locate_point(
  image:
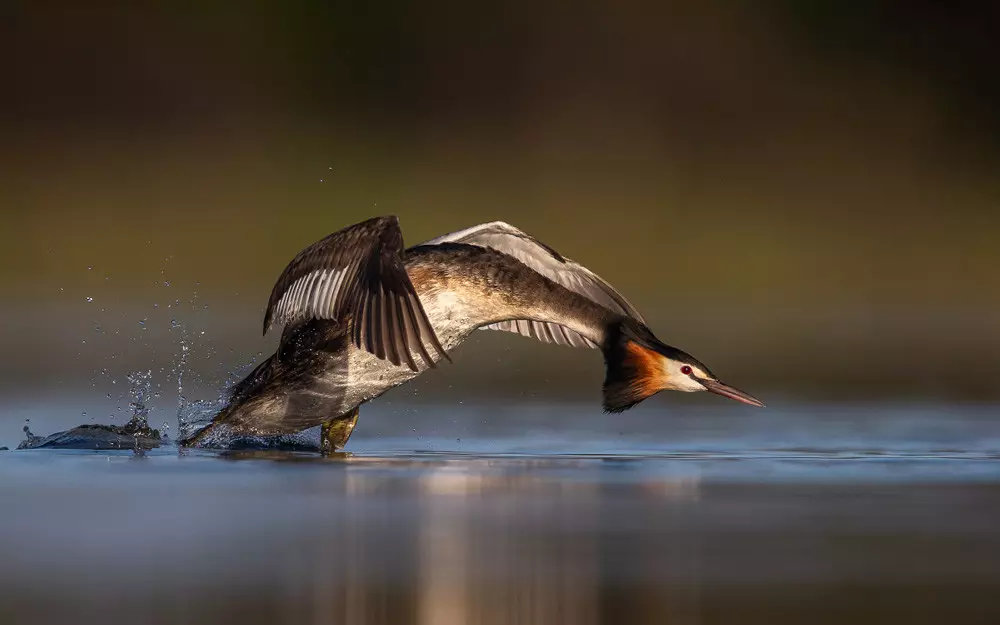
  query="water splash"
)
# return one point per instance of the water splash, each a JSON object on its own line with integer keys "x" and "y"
{"x": 196, "y": 415}
{"x": 223, "y": 438}
{"x": 30, "y": 440}
{"x": 192, "y": 416}
{"x": 135, "y": 398}
{"x": 141, "y": 391}
{"x": 136, "y": 434}
{"x": 181, "y": 361}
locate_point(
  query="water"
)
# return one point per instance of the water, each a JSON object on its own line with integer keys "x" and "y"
{"x": 677, "y": 512}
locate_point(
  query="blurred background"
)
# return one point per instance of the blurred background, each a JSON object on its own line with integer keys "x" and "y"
{"x": 802, "y": 194}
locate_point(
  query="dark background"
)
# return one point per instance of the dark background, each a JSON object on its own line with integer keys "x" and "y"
{"x": 802, "y": 194}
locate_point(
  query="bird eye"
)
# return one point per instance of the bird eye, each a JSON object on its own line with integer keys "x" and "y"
{"x": 686, "y": 370}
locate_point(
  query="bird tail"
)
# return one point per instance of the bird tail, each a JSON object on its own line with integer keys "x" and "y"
{"x": 634, "y": 366}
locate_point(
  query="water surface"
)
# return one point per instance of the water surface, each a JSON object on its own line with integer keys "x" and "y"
{"x": 527, "y": 514}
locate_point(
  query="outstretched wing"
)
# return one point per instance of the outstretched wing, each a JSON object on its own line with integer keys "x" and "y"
{"x": 505, "y": 238}
{"x": 543, "y": 331}
{"x": 357, "y": 273}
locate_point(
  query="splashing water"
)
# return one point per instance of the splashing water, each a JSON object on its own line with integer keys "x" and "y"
{"x": 194, "y": 415}
{"x": 221, "y": 437}
{"x": 181, "y": 363}
{"x": 29, "y": 438}
{"x": 141, "y": 391}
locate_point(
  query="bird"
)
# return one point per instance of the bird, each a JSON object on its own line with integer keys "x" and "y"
{"x": 360, "y": 314}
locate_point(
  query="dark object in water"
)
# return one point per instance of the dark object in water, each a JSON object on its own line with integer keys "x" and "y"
{"x": 136, "y": 434}
{"x": 4, "y": 449}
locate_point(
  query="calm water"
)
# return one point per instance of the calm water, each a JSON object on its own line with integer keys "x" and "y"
{"x": 536, "y": 514}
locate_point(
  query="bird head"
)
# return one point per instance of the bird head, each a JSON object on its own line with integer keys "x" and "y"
{"x": 639, "y": 366}
{"x": 680, "y": 371}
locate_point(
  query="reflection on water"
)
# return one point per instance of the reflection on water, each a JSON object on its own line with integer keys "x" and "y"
{"x": 269, "y": 537}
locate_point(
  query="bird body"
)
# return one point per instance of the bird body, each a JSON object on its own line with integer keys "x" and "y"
{"x": 362, "y": 315}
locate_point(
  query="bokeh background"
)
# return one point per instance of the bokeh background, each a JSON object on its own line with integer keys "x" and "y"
{"x": 803, "y": 194}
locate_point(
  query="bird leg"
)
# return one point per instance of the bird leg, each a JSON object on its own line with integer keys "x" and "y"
{"x": 335, "y": 432}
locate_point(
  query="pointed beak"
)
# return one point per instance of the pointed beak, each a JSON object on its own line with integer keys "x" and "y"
{"x": 728, "y": 391}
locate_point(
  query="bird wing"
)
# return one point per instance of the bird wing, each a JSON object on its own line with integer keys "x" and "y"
{"x": 357, "y": 273}
{"x": 505, "y": 238}
{"x": 544, "y": 331}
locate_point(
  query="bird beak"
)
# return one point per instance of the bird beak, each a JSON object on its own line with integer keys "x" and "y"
{"x": 732, "y": 393}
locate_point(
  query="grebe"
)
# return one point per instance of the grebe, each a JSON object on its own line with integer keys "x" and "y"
{"x": 362, "y": 315}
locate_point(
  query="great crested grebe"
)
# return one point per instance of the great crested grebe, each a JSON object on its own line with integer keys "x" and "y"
{"x": 362, "y": 315}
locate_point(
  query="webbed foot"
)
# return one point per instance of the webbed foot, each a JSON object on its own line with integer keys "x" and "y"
{"x": 335, "y": 432}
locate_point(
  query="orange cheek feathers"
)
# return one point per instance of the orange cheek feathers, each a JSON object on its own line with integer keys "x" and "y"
{"x": 648, "y": 368}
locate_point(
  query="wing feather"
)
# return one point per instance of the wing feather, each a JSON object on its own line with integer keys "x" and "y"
{"x": 407, "y": 336}
{"x": 391, "y": 330}
{"x": 356, "y": 276}
{"x": 505, "y": 238}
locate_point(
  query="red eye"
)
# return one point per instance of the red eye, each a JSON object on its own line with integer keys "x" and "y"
{"x": 686, "y": 370}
